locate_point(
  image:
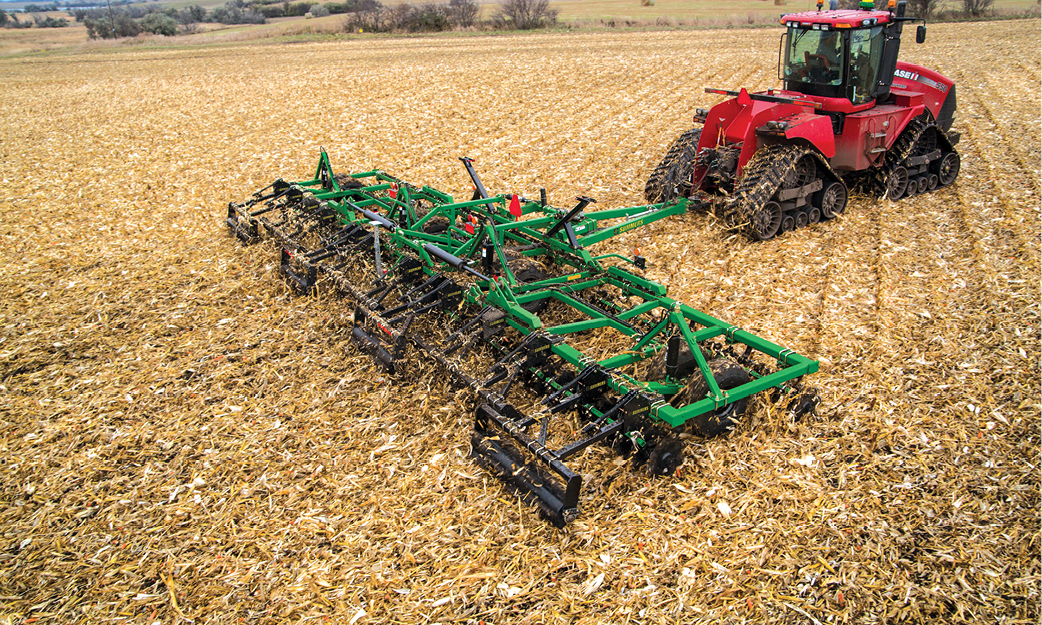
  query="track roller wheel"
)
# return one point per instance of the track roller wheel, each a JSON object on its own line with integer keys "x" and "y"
{"x": 947, "y": 169}
{"x": 897, "y": 184}
{"x": 912, "y": 189}
{"x": 924, "y": 185}
{"x": 788, "y": 224}
{"x": 831, "y": 200}
{"x": 813, "y": 216}
{"x": 932, "y": 182}
{"x": 802, "y": 173}
{"x": 802, "y": 219}
{"x": 728, "y": 374}
{"x": 765, "y": 222}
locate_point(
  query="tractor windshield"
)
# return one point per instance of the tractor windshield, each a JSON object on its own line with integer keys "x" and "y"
{"x": 814, "y": 57}
{"x": 814, "y": 60}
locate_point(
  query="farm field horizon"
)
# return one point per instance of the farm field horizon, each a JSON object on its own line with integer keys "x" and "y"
{"x": 185, "y": 439}
{"x": 594, "y": 15}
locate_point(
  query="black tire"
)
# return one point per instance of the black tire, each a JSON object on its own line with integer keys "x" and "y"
{"x": 831, "y": 200}
{"x": 436, "y": 225}
{"x": 672, "y": 177}
{"x": 897, "y": 184}
{"x": 947, "y": 168}
{"x": 765, "y": 222}
{"x": 686, "y": 364}
{"x": 345, "y": 181}
{"x": 527, "y": 270}
{"x": 728, "y": 375}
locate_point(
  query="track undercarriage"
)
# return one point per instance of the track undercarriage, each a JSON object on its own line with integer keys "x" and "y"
{"x": 562, "y": 349}
{"x": 785, "y": 187}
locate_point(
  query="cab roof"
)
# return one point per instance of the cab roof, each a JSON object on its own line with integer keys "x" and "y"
{"x": 837, "y": 19}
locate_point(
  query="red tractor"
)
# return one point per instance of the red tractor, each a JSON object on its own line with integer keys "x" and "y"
{"x": 849, "y": 113}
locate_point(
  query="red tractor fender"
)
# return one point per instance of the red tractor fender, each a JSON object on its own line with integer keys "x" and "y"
{"x": 815, "y": 130}
{"x": 744, "y": 120}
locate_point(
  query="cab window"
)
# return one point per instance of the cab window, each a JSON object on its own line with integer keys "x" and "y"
{"x": 866, "y": 51}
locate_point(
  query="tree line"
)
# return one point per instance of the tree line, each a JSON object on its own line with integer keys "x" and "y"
{"x": 102, "y": 22}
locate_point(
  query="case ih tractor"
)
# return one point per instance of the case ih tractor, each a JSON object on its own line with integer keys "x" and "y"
{"x": 850, "y": 113}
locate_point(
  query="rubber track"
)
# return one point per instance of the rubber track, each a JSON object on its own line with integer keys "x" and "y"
{"x": 763, "y": 176}
{"x": 662, "y": 182}
{"x": 905, "y": 146}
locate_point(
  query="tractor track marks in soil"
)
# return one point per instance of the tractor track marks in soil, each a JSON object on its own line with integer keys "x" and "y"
{"x": 1018, "y": 151}
{"x": 1007, "y": 276}
{"x": 817, "y": 344}
{"x": 1015, "y": 230}
{"x": 848, "y": 307}
{"x": 1019, "y": 219}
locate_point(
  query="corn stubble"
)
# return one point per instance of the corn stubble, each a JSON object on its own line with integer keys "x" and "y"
{"x": 184, "y": 439}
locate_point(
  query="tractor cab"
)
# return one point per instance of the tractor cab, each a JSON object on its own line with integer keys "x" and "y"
{"x": 846, "y": 55}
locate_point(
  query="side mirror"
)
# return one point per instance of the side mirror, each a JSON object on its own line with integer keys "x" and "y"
{"x": 920, "y": 34}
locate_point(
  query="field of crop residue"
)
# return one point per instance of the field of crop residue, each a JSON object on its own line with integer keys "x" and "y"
{"x": 186, "y": 441}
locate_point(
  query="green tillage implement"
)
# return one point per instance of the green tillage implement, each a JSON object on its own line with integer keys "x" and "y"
{"x": 503, "y": 293}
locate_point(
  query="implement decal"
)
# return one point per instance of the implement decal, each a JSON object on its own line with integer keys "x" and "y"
{"x": 636, "y": 224}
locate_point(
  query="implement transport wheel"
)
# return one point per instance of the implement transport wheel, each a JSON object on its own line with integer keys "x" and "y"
{"x": 831, "y": 200}
{"x": 528, "y": 270}
{"x": 765, "y": 222}
{"x": 947, "y": 168}
{"x": 728, "y": 375}
{"x": 897, "y": 184}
